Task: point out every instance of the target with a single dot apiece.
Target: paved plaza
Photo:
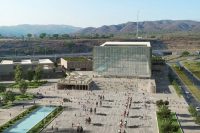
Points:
(114, 108)
(115, 104)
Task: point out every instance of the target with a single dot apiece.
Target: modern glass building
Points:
(126, 59)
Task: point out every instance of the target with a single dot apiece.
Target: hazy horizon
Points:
(94, 13)
(92, 26)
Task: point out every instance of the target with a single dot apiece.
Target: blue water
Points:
(30, 121)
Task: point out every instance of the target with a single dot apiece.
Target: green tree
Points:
(38, 73)
(166, 127)
(2, 88)
(185, 53)
(30, 75)
(55, 36)
(43, 35)
(23, 87)
(164, 112)
(65, 36)
(9, 96)
(18, 74)
(29, 36)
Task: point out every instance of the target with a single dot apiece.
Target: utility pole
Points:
(137, 23)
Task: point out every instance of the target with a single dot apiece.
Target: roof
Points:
(76, 79)
(25, 61)
(147, 44)
(45, 61)
(7, 62)
(75, 59)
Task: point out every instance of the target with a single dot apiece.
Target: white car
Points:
(186, 92)
(197, 108)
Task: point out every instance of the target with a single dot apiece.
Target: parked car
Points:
(186, 92)
(197, 108)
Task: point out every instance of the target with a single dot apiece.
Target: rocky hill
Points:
(161, 26)
(20, 30)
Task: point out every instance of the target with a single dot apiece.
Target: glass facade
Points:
(134, 61)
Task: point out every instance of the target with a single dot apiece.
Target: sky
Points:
(95, 13)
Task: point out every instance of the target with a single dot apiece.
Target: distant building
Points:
(126, 59)
(76, 64)
(7, 67)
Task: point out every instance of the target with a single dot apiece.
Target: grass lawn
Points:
(24, 97)
(194, 67)
(192, 88)
(160, 120)
(177, 88)
(30, 84)
(18, 97)
(7, 105)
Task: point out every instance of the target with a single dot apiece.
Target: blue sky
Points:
(84, 13)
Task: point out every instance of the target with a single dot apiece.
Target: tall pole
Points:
(137, 22)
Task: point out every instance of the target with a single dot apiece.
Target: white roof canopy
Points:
(147, 44)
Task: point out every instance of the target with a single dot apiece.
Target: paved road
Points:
(48, 56)
(189, 98)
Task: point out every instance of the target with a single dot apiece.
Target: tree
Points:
(43, 35)
(38, 73)
(30, 75)
(55, 36)
(23, 87)
(164, 112)
(167, 127)
(65, 36)
(18, 74)
(9, 96)
(29, 36)
(185, 53)
(2, 88)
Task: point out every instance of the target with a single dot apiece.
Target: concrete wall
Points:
(6, 69)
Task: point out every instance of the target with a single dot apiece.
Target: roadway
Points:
(55, 56)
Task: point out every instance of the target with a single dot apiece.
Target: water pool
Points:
(30, 121)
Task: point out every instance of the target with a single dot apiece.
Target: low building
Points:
(7, 67)
(76, 82)
(76, 64)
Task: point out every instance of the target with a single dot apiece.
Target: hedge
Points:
(17, 118)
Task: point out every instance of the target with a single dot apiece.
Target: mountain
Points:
(145, 27)
(160, 26)
(20, 30)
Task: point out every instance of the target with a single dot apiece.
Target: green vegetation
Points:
(194, 114)
(177, 88)
(37, 75)
(22, 86)
(44, 122)
(9, 97)
(185, 53)
(2, 88)
(167, 121)
(194, 67)
(192, 88)
(75, 59)
(18, 73)
(157, 60)
(29, 84)
(24, 97)
(30, 74)
(17, 118)
(175, 84)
